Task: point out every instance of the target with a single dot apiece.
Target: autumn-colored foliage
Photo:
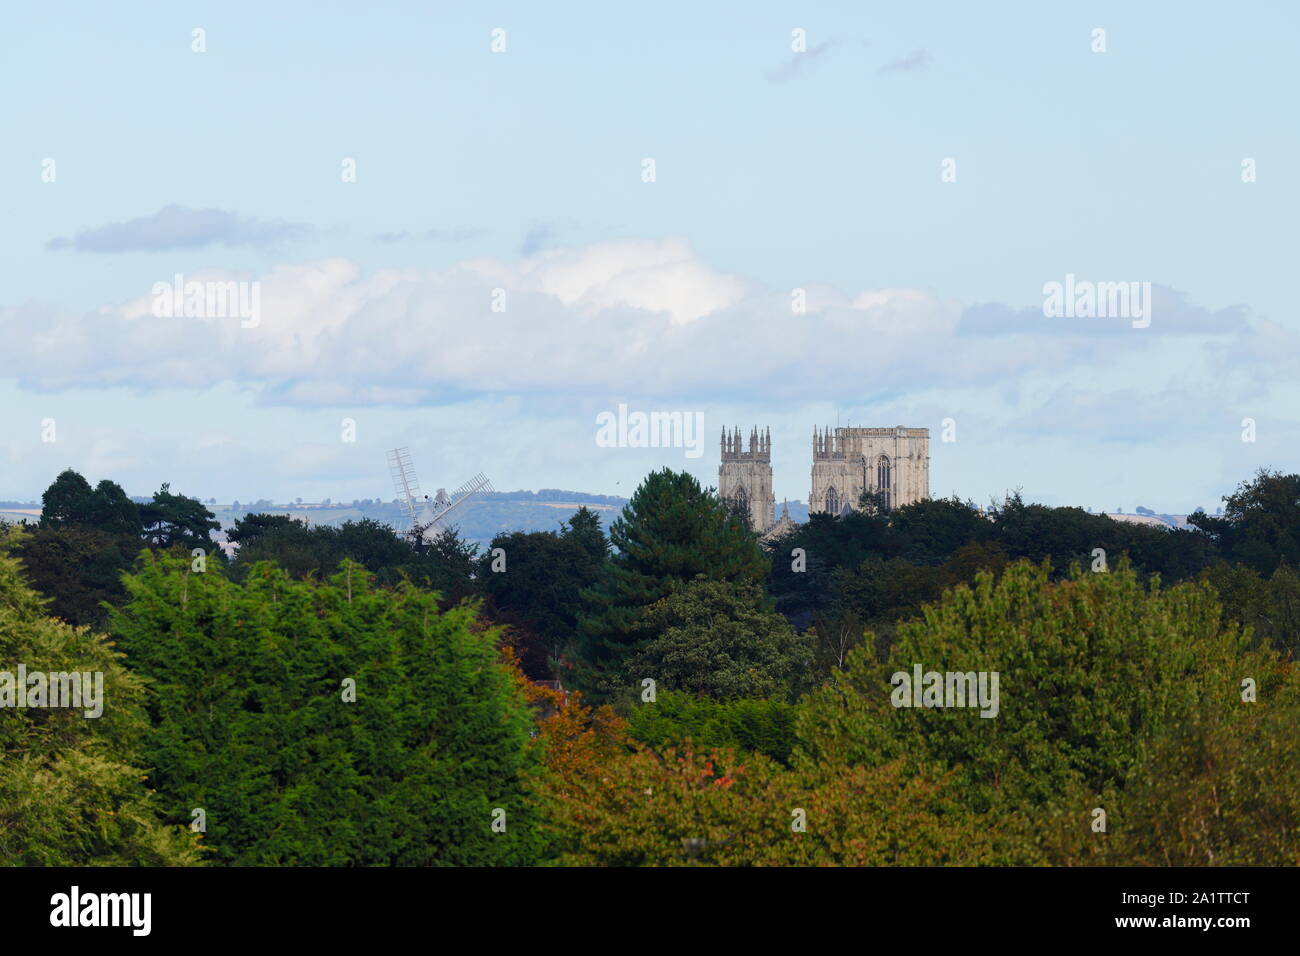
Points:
(613, 802)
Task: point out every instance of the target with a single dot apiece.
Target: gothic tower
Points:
(745, 477)
(891, 462)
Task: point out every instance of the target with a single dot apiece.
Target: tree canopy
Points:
(71, 785)
(328, 722)
(671, 532)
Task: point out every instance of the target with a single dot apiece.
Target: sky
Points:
(471, 229)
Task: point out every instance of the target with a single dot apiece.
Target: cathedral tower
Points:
(891, 462)
(745, 477)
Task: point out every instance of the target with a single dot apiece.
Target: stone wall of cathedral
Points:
(846, 461)
(745, 477)
(894, 462)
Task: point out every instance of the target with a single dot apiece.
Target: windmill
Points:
(427, 516)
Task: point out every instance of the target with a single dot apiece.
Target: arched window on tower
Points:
(832, 501)
(883, 483)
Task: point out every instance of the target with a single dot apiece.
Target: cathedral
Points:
(893, 463)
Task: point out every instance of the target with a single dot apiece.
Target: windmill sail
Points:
(405, 483)
(444, 504)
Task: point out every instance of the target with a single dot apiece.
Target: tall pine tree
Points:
(671, 532)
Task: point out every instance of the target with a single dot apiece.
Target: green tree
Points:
(112, 511)
(803, 584)
(67, 501)
(1065, 535)
(670, 532)
(1215, 792)
(717, 639)
(171, 520)
(253, 721)
(248, 529)
(291, 545)
(1270, 606)
(584, 529)
(1092, 670)
(1059, 535)
(745, 725)
(887, 590)
(71, 786)
(542, 580)
(1261, 522)
(876, 595)
(78, 569)
(448, 565)
(932, 530)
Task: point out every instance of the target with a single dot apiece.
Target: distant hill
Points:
(524, 511)
(1149, 517)
(480, 521)
(544, 510)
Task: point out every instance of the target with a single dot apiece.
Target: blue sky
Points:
(522, 170)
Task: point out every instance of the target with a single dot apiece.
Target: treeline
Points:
(870, 569)
(335, 696)
(88, 537)
(1134, 729)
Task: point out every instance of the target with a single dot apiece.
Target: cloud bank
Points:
(640, 317)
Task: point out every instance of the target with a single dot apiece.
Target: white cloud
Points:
(617, 318)
(649, 276)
